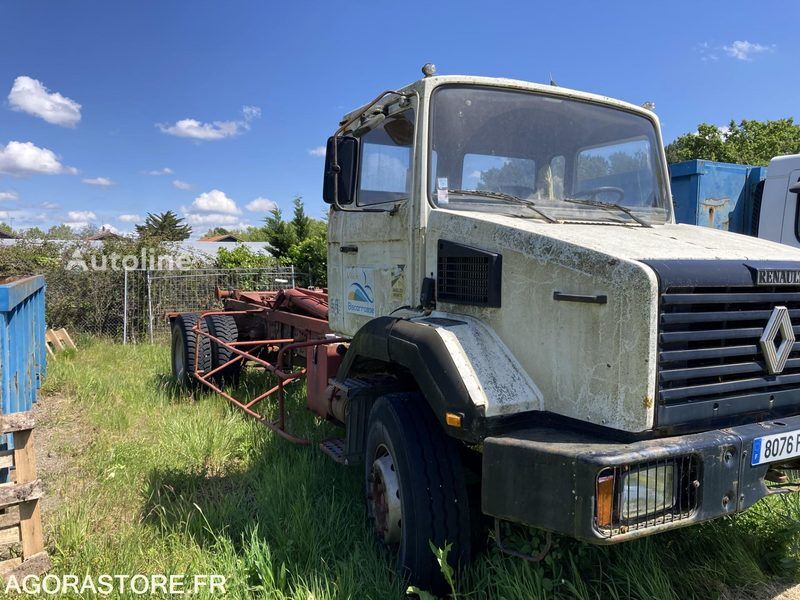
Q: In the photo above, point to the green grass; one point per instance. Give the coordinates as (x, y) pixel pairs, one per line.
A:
(171, 484)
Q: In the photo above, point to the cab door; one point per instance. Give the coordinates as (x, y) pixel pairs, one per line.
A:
(370, 249)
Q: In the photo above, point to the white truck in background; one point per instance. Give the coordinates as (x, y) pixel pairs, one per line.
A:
(757, 201)
(778, 214)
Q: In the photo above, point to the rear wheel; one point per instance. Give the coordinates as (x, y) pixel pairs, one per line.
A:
(186, 361)
(224, 327)
(415, 488)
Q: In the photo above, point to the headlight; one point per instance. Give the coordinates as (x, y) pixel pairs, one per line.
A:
(646, 491)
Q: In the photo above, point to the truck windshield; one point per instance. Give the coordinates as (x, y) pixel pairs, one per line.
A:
(568, 159)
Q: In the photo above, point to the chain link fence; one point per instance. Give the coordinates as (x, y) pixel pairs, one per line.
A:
(149, 296)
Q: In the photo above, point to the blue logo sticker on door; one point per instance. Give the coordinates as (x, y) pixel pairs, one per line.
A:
(360, 292)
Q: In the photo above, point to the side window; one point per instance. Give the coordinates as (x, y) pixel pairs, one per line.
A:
(624, 165)
(385, 173)
(515, 176)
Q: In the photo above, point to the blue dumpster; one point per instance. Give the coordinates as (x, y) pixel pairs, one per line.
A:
(715, 194)
(23, 355)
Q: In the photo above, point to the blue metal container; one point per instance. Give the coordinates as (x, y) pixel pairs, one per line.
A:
(23, 355)
(715, 194)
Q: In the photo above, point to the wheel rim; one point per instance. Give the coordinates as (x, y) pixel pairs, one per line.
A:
(178, 358)
(384, 497)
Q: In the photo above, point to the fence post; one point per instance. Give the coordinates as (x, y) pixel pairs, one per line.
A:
(150, 304)
(125, 309)
(293, 284)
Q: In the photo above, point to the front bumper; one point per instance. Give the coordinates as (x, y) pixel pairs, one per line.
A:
(547, 478)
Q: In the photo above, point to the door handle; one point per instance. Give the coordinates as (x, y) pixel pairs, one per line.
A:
(348, 249)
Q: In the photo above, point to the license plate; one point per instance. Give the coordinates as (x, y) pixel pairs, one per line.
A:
(778, 446)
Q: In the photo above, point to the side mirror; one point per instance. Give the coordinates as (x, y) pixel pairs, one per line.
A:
(795, 189)
(347, 158)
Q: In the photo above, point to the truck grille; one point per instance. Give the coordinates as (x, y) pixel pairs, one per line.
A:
(710, 363)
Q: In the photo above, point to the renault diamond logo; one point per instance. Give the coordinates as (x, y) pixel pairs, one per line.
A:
(779, 322)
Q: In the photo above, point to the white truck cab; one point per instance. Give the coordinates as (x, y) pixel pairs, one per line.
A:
(505, 259)
(779, 218)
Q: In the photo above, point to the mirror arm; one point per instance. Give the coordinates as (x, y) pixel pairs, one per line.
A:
(335, 166)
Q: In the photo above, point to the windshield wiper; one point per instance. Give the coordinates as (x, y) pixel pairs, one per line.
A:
(610, 206)
(502, 196)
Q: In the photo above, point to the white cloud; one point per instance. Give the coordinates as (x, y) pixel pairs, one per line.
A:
(77, 225)
(318, 151)
(10, 195)
(744, 50)
(100, 181)
(50, 205)
(214, 201)
(261, 205)
(217, 130)
(23, 218)
(25, 158)
(211, 219)
(81, 215)
(110, 227)
(157, 172)
(129, 218)
(181, 185)
(31, 96)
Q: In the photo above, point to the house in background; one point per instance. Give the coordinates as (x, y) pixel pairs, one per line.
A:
(102, 236)
(222, 238)
(7, 236)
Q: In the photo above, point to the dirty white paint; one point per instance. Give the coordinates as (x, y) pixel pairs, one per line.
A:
(592, 362)
(490, 372)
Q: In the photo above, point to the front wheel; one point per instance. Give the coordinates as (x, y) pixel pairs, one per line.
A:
(415, 488)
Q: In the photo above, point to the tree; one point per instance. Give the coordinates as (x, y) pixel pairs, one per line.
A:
(7, 229)
(301, 241)
(748, 142)
(34, 233)
(60, 232)
(515, 172)
(243, 257)
(165, 227)
(301, 222)
(311, 255)
(218, 231)
(280, 234)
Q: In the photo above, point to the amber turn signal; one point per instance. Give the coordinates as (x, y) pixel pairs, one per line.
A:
(605, 500)
(452, 419)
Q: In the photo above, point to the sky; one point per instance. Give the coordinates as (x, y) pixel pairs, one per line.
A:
(219, 110)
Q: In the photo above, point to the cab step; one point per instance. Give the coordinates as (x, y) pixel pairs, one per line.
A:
(334, 447)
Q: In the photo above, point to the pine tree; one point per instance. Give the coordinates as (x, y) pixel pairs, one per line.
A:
(166, 226)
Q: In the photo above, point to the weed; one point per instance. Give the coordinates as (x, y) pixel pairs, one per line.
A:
(179, 484)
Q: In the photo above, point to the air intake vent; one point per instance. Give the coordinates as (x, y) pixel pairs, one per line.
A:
(468, 275)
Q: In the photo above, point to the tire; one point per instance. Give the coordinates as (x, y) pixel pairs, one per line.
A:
(430, 483)
(183, 350)
(224, 327)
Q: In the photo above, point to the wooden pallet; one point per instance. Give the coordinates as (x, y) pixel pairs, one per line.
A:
(21, 520)
(58, 339)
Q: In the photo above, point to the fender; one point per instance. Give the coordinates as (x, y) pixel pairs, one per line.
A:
(460, 365)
